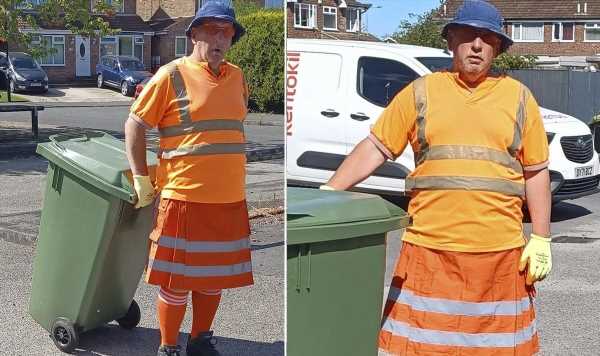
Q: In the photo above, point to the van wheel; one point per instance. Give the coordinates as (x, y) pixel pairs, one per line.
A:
(100, 81)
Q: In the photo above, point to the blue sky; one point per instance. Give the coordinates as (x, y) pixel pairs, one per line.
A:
(384, 15)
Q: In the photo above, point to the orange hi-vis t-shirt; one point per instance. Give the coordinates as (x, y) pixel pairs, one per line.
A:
(471, 148)
(199, 117)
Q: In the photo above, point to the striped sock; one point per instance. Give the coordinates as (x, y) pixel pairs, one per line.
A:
(171, 305)
(205, 304)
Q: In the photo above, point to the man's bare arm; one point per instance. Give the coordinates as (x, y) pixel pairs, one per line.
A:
(135, 144)
(537, 190)
(359, 165)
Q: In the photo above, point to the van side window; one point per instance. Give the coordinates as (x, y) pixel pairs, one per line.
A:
(379, 79)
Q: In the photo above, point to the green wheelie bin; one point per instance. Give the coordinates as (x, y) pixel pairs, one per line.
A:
(92, 244)
(335, 270)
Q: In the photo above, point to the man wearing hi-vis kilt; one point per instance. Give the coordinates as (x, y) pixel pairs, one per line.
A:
(200, 243)
(463, 284)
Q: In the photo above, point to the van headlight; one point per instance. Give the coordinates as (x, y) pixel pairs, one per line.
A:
(550, 136)
(19, 77)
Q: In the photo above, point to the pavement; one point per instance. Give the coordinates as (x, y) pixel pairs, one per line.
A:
(250, 320)
(77, 95)
(568, 300)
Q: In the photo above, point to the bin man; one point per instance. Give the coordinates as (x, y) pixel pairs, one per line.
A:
(463, 284)
(200, 240)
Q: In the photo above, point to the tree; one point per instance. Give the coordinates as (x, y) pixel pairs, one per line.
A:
(507, 61)
(421, 30)
(244, 7)
(19, 21)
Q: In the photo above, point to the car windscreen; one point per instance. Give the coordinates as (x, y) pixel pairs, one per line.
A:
(132, 65)
(436, 64)
(24, 63)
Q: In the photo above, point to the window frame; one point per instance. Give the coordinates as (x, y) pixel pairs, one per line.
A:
(562, 31)
(358, 13)
(52, 42)
(334, 13)
(185, 49)
(120, 10)
(312, 23)
(134, 43)
(588, 25)
(520, 39)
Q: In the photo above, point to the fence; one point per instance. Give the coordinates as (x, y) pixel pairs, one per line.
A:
(571, 92)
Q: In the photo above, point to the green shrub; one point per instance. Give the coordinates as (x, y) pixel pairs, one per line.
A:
(507, 61)
(260, 55)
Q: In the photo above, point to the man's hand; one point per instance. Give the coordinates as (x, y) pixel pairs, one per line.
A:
(539, 257)
(144, 189)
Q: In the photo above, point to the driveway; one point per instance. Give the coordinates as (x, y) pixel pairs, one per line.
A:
(76, 95)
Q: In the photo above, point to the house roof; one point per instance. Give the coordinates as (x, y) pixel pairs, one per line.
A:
(128, 23)
(171, 24)
(534, 9)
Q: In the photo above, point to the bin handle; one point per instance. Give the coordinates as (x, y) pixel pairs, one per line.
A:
(85, 134)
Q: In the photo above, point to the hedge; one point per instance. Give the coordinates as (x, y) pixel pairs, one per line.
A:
(260, 55)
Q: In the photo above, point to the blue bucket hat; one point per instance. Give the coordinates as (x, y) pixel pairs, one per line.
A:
(218, 11)
(480, 14)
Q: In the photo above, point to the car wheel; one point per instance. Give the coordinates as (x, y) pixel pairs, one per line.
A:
(100, 81)
(126, 89)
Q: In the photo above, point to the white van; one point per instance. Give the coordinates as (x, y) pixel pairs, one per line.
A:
(337, 89)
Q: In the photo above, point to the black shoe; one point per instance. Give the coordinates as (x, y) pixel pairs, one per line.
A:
(166, 350)
(202, 345)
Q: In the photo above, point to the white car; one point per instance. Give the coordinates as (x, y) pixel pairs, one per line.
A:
(337, 89)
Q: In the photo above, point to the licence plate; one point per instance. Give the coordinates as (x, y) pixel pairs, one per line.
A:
(36, 84)
(583, 172)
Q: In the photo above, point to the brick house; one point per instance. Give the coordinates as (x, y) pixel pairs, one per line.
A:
(329, 19)
(151, 30)
(563, 33)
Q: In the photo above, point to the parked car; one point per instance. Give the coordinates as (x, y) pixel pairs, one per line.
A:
(122, 72)
(356, 80)
(140, 87)
(23, 72)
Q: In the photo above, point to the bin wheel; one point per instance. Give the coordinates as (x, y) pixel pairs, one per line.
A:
(132, 318)
(64, 335)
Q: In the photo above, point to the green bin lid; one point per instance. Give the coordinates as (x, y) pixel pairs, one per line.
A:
(319, 215)
(96, 157)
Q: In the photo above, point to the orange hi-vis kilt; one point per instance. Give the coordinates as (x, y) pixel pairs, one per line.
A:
(471, 148)
(199, 117)
(458, 303)
(199, 246)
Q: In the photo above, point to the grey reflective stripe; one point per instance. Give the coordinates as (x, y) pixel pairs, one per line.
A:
(453, 307)
(181, 97)
(451, 338)
(204, 246)
(465, 183)
(473, 153)
(202, 126)
(520, 122)
(200, 271)
(420, 92)
(204, 149)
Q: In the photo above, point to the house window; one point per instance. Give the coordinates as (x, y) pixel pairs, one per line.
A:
(330, 18)
(123, 46)
(274, 3)
(180, 46)
(563, 32)
(304, 15)
(118, 5)
(353, 19)
(29, 4)
(592, 32)
(528, 32)
(57, 58)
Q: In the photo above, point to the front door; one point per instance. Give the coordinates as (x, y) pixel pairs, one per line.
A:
(82, 55)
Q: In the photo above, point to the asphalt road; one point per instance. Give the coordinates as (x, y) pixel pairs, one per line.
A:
(112, 118)
(568, 300)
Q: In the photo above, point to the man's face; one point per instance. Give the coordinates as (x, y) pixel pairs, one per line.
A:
(213, 39)
(474, 50)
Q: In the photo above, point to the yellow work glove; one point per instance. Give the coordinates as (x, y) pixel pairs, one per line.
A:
(325, 187)
(537, 254)
(144, 190)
